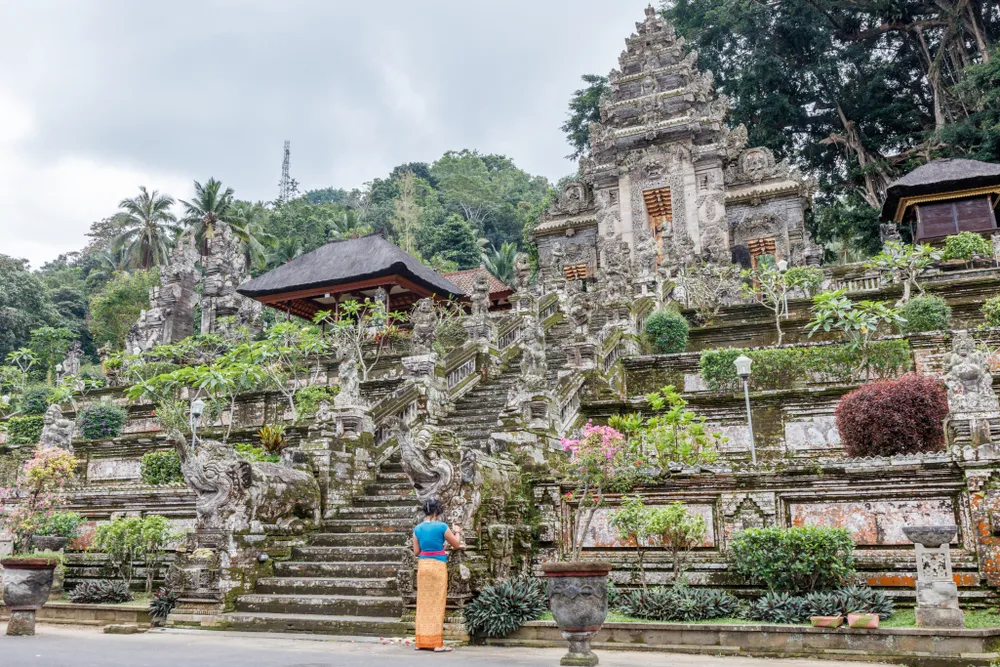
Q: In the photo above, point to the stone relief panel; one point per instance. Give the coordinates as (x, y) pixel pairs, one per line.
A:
(874, 522)
(755, 509)
(557, 251)
(815, 436)
(603, 535)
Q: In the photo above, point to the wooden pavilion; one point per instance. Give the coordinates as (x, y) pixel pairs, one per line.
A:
(342, 271)
(945, 197)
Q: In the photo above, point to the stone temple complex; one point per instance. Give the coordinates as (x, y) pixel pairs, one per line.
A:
(319, 540)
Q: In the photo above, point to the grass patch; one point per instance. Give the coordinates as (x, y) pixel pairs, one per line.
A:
(902, 618)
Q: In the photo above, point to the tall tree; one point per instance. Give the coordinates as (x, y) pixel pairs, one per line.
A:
(146, 228)
(407, 212)
(24, 305)
(116, 307)
(211, 204)
(584, 109)
(249, 223)
(455, 241)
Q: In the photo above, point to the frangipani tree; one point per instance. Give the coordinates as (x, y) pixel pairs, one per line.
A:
(904, 263)
(360, 326)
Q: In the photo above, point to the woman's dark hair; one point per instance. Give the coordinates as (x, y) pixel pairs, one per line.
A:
(432, 507)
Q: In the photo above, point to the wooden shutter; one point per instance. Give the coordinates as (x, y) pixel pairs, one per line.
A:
(575, 272)
(760, 247)
(660, 208)
(936, 221)
(974, 215)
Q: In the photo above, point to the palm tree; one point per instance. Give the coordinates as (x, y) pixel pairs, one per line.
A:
(348, 225)
(211, 204)
(147, 228)
(501, 262)
(248, 221)
(284, 250)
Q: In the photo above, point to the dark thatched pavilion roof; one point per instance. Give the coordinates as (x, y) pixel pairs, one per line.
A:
(346, 262)
(939, 176)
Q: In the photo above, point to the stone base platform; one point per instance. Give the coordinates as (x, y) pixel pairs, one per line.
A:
(918, 647)
(95, 615)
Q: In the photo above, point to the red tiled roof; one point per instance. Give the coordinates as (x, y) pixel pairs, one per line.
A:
(465, 280)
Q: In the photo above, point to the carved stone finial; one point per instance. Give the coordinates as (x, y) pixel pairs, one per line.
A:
(424, 327)
(432, 476)
(522, 273)
(481, 295)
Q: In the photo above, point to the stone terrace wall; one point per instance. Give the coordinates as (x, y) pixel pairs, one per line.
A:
(873, 498)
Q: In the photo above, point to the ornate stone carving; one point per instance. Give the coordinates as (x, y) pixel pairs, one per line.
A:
(646, 256)
(755, 165)
(533, 362)
(522, 273)
(481, 296)
(580, 311)
(225, 270)
(233, 495)
(349, 380)
(615, 269)
(57, 432)
(424, 327)
(431, 475)
(71, 364)
(170, 316)
(968, 378)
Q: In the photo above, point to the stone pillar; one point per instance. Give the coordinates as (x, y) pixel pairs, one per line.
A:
(937, 593)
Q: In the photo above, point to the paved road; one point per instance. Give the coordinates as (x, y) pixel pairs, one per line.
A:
(56, 646)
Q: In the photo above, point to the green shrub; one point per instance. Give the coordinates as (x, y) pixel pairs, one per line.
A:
(35, 400)
(675, 603)
(501, 608)
(991, 311)
(254, 454)
(801, 559)
(272, 438)
(60, 524)
(667, 332)
(781, 368)
(927, 312)
(157, 468)
(966, 244)
(101, 421)
(24, 429)
(101, 591)
(307, 399)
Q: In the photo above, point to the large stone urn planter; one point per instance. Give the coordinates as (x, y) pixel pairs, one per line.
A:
(53, 544)
(26, 586)
(578, 595)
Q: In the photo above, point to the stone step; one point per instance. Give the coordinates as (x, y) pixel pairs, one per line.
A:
(385, 501)
(384, 476)
(373, 586)
(366, 526)
(325, 605)
(357, 570)
(384, 490)
(382, 539)
(401, 511)
(363, 626)
(349, 554)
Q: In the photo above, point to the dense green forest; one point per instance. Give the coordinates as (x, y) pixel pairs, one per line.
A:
(455, 213)
(854, 92)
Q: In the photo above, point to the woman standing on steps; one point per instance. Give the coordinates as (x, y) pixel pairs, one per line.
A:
(432, 575)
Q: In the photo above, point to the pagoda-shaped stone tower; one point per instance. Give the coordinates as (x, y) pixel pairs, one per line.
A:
(656, 175)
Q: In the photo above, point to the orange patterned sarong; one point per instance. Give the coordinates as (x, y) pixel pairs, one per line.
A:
(432, 595)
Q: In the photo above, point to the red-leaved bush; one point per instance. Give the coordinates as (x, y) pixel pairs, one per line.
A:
(900, 416)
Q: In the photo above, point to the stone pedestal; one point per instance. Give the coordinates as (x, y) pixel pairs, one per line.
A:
(579, 649)
(937, 593)
(21, 623)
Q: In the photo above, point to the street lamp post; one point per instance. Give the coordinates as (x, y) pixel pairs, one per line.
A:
(743, 370)
(197, 410)
(782, 267)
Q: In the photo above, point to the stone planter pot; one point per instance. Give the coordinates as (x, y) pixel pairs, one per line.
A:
(826, 621)
(862, 621)
(49, 542)
(578, 595)
(26, 586)
(931, 536)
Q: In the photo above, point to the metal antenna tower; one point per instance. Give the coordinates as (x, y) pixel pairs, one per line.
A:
(285, 186)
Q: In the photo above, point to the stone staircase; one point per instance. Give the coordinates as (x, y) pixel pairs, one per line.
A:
(476, 414)
(343, 582)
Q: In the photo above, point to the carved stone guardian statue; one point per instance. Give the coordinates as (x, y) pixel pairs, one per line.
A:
(970, 388)
(57, 432)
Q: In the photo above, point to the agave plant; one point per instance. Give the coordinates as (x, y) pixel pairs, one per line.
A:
(101, 591)
(862, 599)
(502, 608)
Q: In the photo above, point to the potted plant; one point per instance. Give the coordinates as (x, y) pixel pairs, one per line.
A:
(160, 606)
(56, 530)
(27, 580)
(578, 590)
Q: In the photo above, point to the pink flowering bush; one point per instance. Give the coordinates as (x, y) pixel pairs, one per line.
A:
(27, 505)
(597, 460)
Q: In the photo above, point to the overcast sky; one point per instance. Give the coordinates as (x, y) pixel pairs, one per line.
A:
(100, 97)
